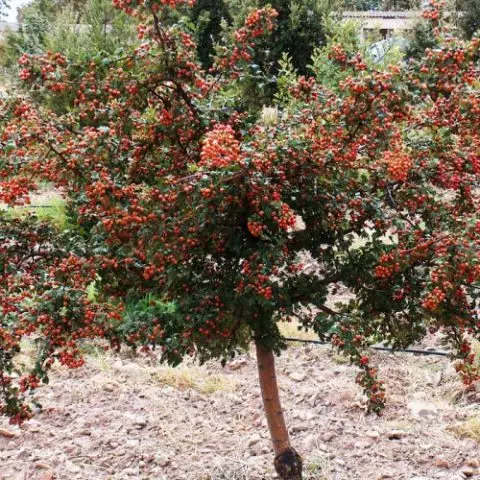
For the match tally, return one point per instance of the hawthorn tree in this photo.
(203, 228)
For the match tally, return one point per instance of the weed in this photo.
(469, 428)
(192, 378)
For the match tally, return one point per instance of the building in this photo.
(387, 24)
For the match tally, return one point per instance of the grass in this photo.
(469, 428)
(95, 352)
(476, 349)
(232, 470)
(51, 209)
(184, 378)
(28, 351)
(146, 370)
(291, 330)
(340, 359)
(316, 466)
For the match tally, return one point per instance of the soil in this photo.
(125, 417)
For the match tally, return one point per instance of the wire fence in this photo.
(414, 351)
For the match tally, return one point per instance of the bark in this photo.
(288, 462)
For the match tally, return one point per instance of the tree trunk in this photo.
(288, 462)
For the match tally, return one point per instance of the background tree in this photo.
(208, 16)
(363, 5)
(300, 29)
(92, 28)
(187, 213)
(36, 19)
(3, 7)
(422, 38)
(469, 19)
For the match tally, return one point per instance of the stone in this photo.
(297, 376)
(162, 460)
(367, 443)
(301, 427)
(138, 421)
(311, 442)
(7, 433)
(327, 436)
(419, 395)
(347, 396)
(132, 443)
(422, 409)
(117, 364)
(237, 364)
(34, 426)
(387, 474)
(130, 472)
(22, 454)
(473, 462)
(72, 468)
(468, 472)
(254, 439)
(48, 476)
(315, 399)
(395, 434)
(442, 463)
(373, 434)
(110, 386)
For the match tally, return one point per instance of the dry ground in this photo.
(129, 418)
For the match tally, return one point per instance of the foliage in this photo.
(202, 227)
(95, 28)
(423, 37)
(3, 7)
(30, 38)
(53, 211)
(325, 66)
(300, 29)
(208, 16)
(363, 5)
(470, 18)
(103, 30)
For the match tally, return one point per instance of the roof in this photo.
(383, 14)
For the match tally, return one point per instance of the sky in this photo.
(12, 11)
